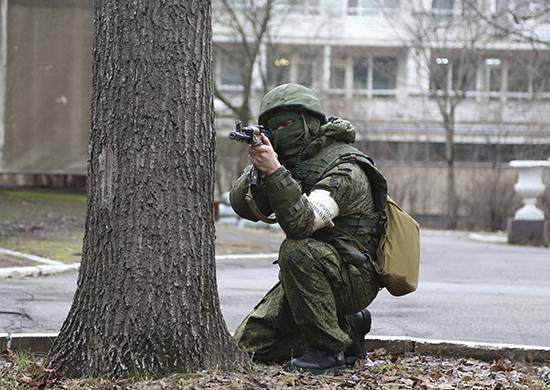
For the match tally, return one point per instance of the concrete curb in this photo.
(27, 256)
(41, 342)
(49, 266)
(451, 348)
(39, 270)
(30, 342)
(54, 267)
(488, 238)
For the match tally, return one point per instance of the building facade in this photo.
(366, 60)
(374, 62)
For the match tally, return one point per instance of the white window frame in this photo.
(305, 8)
(369, 92)
(443, 13)
(362, 11)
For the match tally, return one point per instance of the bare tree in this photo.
(516, 20)
(251, 58)
(147, 301)
(448, 50)
(248, 23)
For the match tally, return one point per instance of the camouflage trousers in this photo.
(308, 307)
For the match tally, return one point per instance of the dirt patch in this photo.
(379, 371)
(41, 214)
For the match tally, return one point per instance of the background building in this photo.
(393, 68)
(407, 74)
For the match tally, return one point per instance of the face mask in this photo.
(288, 133)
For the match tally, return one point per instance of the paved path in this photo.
(469, 291)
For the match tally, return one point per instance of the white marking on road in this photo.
(27, 256)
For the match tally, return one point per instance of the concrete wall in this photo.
(486, 195)
(48, 90)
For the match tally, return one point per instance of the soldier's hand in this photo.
(264, 157)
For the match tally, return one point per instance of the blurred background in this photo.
(443, 93)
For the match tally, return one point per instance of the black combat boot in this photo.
(360, 323)
(318, 362)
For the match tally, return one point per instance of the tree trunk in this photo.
(146, 301)
(452, 198)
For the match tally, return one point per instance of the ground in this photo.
(379, 371)
(50, 224)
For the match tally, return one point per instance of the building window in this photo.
(471, 7)
(305, 69)
(372, 7)
(293, 65)
(391, 7)
(338, 75)
(453, 75)
(229, 71)
(541, 76)
(360, 72)
(518, 75)
(278, 67)
(384, 73)
(439, 74)
(353, 7)
(304, 7)
(493, 74)
(364, 75)
(464, 75)
(442, 8)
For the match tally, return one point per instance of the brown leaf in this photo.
(502, 365)
(418, 384)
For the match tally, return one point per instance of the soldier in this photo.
(329, 200)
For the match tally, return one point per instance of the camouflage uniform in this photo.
(323, 276)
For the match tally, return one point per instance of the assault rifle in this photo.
(250, 135)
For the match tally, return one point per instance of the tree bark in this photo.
(146, 301)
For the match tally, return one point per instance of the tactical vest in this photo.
(349, 230)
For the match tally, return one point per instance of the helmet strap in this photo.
(306, 129)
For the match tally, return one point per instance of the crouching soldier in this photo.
(331, 209)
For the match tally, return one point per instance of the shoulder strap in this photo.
(376, 179)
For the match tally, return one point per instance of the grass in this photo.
(67, 251)
(44, 196)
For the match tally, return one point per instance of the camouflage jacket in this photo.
(329, 163)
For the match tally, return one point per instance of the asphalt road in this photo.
(468, 291)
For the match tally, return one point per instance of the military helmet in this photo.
(289, 97)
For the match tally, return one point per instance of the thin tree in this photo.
(520, 20)
(448, 50)
(249, 26)
(146, 301)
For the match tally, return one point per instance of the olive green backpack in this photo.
(397, 260)
(398, 257)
